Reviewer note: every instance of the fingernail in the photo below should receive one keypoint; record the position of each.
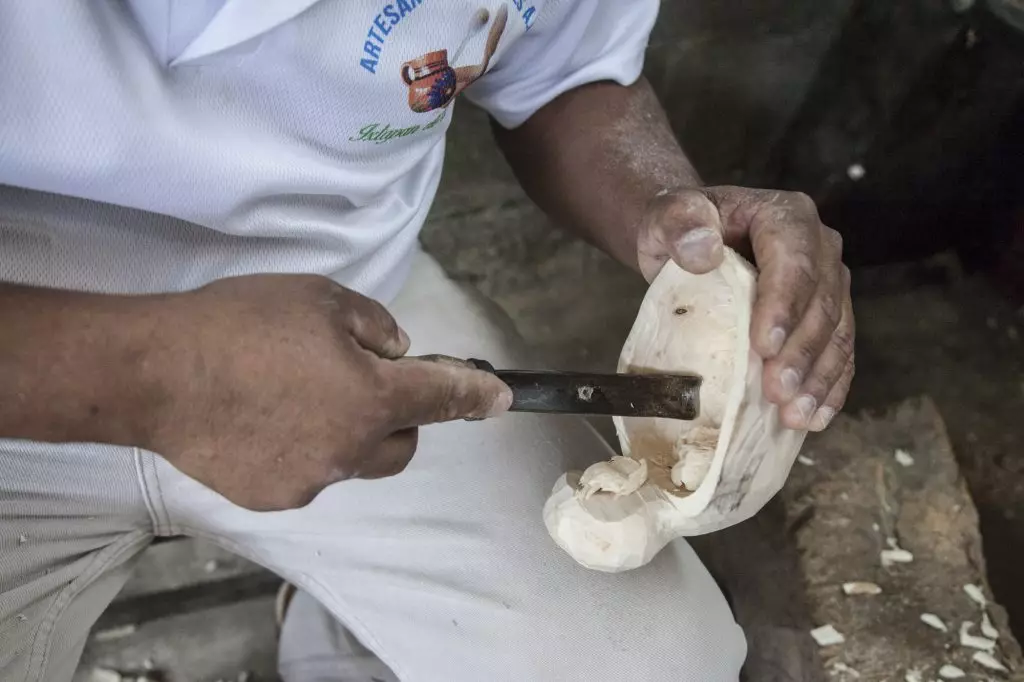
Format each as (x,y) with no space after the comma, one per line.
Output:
(805,406)
(790,381)
(776,337)
(823,417)
(700,249)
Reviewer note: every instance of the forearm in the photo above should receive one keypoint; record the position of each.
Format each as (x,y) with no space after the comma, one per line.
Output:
(594,158)
(74,367)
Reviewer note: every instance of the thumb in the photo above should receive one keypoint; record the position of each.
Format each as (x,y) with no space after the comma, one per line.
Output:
(684,225)
(438,389)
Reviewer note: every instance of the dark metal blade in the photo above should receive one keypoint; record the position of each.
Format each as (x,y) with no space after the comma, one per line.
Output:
(675,396)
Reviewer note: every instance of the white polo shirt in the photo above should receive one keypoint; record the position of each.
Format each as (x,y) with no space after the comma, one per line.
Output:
(156,145)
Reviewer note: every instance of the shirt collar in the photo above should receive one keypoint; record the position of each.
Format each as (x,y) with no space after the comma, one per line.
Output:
(235,22)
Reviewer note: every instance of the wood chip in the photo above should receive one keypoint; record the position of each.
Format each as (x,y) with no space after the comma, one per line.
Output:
(931,620)
(805,460)
(976,594)
(987,628)
(861,587)
(827,635)
(896,556)
(903,458)
(951,672)
(987,660)
(843,669)
(913,675)
(973,641)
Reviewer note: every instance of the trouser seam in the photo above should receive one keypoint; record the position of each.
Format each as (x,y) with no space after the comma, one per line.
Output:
(152,493)
(43,640)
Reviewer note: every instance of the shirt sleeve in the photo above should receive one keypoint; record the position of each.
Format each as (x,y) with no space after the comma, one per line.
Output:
(571,43)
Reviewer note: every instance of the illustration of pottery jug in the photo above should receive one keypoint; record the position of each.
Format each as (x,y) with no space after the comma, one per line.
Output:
(432,82)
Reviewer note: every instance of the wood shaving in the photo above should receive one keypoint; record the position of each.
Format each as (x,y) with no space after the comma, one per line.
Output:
(913,675)
(973,641)
(931,620)
(976,594)
(896,556)
(903,458)
(827,635)
(987,660)
(951,672)
(805,460)
(620,476)
(987,628)
(861,587)
(843,669)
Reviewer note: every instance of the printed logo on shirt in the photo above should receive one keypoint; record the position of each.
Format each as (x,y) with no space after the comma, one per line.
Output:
(433,80)
(392,14)
(379,133)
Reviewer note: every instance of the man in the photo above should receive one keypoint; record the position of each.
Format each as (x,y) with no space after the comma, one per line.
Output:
(208,243)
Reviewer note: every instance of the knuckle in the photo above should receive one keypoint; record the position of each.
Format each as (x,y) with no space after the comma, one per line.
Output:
(802,273)
(801,198)
(843,340)
(831,309)
(683,208)
(375,318)
(836,400)
(833,239)
(801,201)
(804,269)
(378,316)
(447,400)
(818,387)
(805,355)
(317,285)
(837,396)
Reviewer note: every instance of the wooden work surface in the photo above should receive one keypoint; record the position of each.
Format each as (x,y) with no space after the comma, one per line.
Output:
(845,502)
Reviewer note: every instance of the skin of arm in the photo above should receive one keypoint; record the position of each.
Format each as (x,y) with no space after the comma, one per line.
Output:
(266,388)
(603,161)
(75,367)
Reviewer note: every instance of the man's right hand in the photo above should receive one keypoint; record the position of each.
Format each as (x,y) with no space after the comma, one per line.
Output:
(275,386)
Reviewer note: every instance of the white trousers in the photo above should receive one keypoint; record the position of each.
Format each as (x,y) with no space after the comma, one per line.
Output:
(444,572)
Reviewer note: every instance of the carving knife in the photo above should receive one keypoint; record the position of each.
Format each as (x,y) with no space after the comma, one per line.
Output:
(675,396)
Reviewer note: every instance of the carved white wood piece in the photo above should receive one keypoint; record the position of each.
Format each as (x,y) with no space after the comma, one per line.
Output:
(681,478)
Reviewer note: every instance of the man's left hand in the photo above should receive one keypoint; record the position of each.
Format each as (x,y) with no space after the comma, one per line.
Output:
(802,324)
